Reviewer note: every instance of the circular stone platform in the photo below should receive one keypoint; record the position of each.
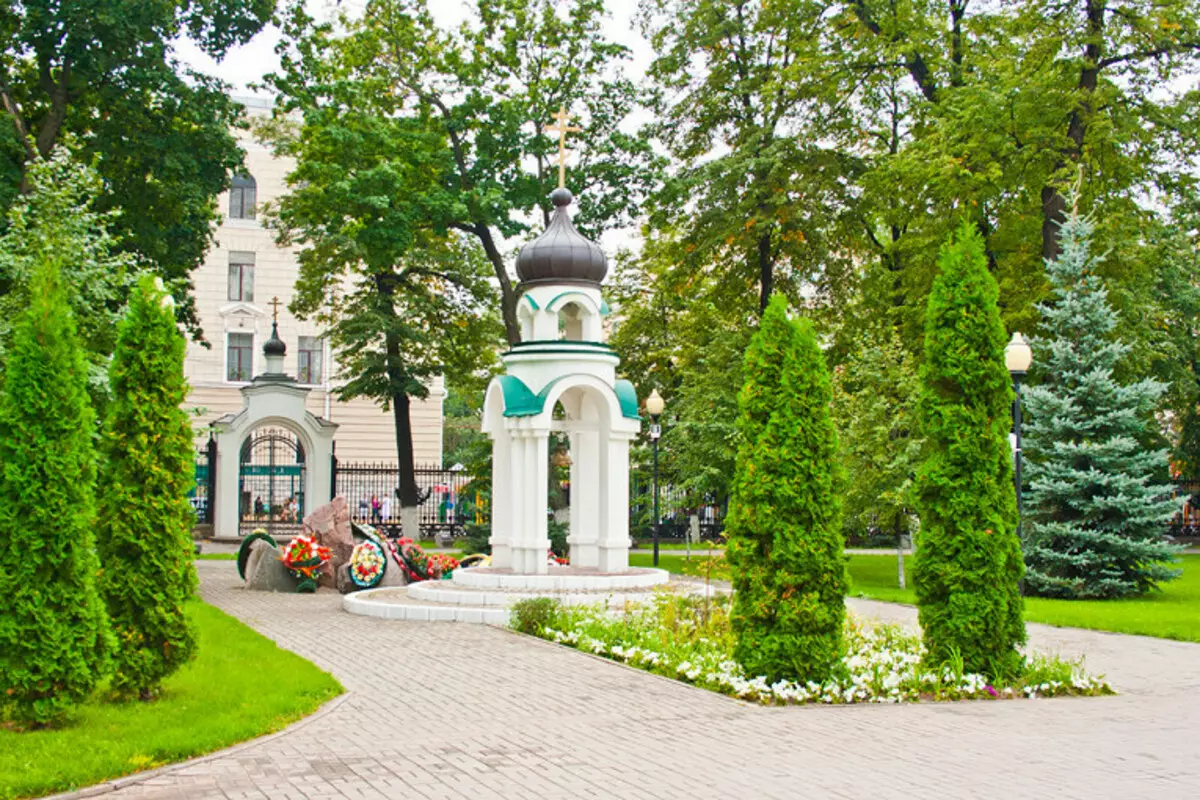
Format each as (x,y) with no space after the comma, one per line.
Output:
(484,594)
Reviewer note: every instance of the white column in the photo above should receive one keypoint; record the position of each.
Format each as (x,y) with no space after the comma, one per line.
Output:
(228,509)
(502,509)
(531,482)
(585,499)
(614,503)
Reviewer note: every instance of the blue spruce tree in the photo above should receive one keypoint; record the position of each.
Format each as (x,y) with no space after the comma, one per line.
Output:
(1098,501)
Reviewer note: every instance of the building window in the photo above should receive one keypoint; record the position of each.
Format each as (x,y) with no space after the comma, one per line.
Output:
(239,355)
(243,194)
(311,361)
(241,276)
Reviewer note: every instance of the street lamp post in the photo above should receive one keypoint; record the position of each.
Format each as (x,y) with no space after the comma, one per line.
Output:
(654,407)
(1018,355)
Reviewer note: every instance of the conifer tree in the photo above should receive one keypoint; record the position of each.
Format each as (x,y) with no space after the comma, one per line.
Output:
(54,636)
(967,565)
(784,525)
(145,519)
(1098,501)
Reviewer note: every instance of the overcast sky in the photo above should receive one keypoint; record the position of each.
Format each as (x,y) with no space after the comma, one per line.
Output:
(247,64)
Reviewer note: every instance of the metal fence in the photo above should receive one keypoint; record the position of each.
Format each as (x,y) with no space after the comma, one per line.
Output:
(447,503)
(676,507)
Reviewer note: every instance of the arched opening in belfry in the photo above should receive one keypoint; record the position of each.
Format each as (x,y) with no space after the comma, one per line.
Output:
(570,322)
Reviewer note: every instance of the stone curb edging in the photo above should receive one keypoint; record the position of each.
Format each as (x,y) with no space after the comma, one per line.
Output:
(138,777)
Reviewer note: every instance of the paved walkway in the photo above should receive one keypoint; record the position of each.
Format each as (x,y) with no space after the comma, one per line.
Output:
(443,710)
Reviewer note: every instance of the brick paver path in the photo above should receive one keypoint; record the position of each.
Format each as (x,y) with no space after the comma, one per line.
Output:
(444,710)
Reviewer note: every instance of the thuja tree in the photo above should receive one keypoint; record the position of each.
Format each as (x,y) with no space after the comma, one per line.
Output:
(144,534)
(1098,499)
(968,559)
(54,637)
(784,525)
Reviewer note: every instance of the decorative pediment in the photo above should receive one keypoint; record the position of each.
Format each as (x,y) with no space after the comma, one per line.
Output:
(240,308)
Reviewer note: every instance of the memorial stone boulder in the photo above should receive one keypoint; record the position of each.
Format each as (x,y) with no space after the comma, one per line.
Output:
(330,526)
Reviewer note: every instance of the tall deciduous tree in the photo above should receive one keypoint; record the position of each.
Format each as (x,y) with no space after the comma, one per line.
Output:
(876,392)
(57,219)
(752,193)
(54,635)
(401,304)
(106,71)
(145,533)
(484,95)
(968,558)
(1098,500)
(784,525)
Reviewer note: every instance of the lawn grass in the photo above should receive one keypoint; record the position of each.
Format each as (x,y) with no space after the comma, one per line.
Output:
(240,686)
(217,557)
(1173,613)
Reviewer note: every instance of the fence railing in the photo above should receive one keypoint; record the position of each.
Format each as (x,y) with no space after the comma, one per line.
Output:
(676,507)
(447,504)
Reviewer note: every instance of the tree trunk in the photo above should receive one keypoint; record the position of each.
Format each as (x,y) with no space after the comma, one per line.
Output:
(508,300)
(407,492)
(766,272)
(900,553)
(1054,205)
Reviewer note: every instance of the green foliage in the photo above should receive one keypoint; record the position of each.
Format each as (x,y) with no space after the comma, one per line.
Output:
(1098,499)
(784,524)
(57,219)
(477,101)
(401,305)
(216,701)
(533,615)
(145,521)
(874,397)
(968,558)
(159,133)
(54,637)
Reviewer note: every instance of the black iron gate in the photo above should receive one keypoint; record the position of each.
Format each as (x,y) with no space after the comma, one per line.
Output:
(271,482)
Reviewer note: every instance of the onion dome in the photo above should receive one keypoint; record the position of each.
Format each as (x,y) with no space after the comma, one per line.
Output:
(274,346)
(561,254)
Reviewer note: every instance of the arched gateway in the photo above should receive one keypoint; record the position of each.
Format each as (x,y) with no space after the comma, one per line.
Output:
(283,454)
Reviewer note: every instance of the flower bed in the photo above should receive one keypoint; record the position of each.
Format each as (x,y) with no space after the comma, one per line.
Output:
(689,639)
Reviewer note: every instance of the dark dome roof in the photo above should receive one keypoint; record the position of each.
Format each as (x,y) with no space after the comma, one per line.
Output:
(561,254)
(274,346)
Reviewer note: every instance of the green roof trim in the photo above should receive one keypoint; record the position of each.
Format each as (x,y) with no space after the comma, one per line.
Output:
(518,400)
(604,309)
(532,302)
(561,295)
(627,397)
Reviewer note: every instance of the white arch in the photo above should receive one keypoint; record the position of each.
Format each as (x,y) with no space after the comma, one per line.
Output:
(582,298)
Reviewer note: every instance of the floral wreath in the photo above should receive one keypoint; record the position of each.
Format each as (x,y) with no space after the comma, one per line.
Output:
(304,558)
(367,564)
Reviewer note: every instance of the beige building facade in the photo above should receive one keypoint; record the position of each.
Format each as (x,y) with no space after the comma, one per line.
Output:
(234,288)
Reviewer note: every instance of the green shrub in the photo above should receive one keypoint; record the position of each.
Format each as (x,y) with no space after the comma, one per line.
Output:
(54,636)
(534,615)
(968,560)
(784,526)
(558,532)
(145,521)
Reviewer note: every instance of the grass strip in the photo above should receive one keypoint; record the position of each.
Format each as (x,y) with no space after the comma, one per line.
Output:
(241,686)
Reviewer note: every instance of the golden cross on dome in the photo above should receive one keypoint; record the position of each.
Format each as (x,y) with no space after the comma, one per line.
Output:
(562,129)
(274,304)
